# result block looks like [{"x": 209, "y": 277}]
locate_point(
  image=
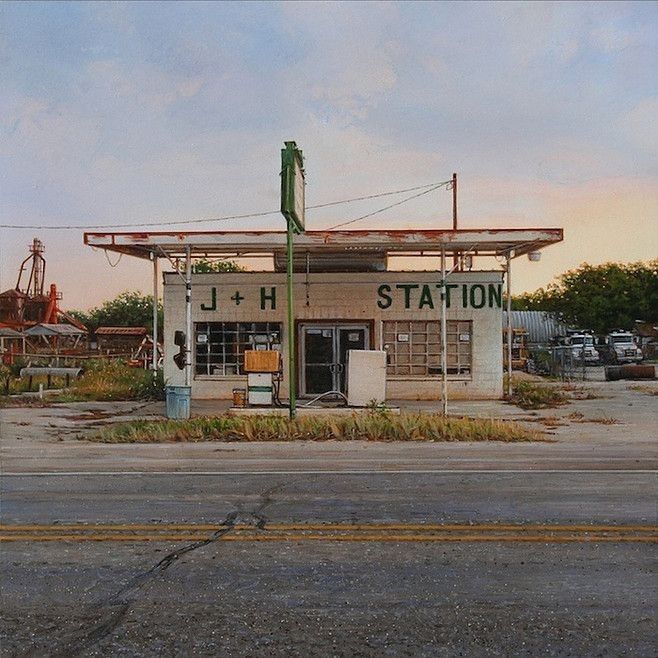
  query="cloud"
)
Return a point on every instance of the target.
[
  {"x": 611, "y": 38},
  {"x": 349, "y": 55},
  {"x": 641, "y": 125},
  {"x": 146, "y": 85}
]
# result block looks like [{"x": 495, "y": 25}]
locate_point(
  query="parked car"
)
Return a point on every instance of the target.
[
  {"x": 620, "y": 347},
  {"x": 582, "y": 347}
]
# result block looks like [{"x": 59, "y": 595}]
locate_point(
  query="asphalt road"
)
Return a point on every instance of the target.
[
  {"x": 383, "y": 587},
  {"x": 548, "y": 496}
]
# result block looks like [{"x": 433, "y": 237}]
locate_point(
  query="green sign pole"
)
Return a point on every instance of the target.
[
  {"x": 293, "y": 208},
  {"x": 292, "y": 369}
]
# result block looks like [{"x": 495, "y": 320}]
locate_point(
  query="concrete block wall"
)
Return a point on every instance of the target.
[{"x": 363, "y": 297}]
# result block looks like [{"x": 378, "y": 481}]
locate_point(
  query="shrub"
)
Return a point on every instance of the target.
[{"x": 529, "y": 395}]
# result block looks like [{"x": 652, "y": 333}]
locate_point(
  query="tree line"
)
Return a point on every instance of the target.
[
  {"x": 132, "y": 309},
  {"x": 599, "y": 297}
]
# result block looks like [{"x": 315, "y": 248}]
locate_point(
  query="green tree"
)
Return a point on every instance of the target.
[
  {"x": 129, "y": 309},
  {"x": 601, "y": 297},
  {"x": 204, "y": 266},
  {"x": 132, "y": 309}
]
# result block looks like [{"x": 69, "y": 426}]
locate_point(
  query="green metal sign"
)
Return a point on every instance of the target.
[{"x": 292, "y": 186}]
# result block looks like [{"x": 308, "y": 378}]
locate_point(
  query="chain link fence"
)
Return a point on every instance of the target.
[{"x": 559, "y": 362}]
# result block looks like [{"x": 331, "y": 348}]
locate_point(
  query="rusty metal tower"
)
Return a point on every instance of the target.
[{"x": 35, "y": 281}]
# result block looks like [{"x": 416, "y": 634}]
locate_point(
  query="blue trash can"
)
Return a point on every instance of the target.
[{"x": 178, "y": 402}]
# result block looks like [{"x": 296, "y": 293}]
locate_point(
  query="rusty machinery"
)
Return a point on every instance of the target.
[{"x": 26, "y": 305}]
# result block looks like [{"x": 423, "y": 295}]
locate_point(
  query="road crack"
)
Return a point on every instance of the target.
[{"x": 107, "y": 614}]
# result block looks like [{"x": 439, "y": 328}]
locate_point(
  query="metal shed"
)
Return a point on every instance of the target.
[{"x": 541, "y": 326}]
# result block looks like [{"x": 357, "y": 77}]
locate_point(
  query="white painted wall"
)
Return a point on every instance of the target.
[{"x": 344, "y": 297}]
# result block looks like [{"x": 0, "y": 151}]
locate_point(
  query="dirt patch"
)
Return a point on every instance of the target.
[
  {"x": 551, "y": 422},
  {"x": 647, "y": 390},
  {"x": 91, "y": 415}
]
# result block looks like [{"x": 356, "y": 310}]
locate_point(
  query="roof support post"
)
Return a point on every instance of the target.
[
  {"x": 444, "y": 336},
  {"x": 188, "y": 315},
  {"x": 154, "y": 362},
  {"x": 508, "y": 276}
]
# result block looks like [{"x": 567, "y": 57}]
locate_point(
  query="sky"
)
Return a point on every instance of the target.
[{"x": 128, "y": 113}]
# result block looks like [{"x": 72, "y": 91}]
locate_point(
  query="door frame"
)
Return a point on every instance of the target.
[{"x": 301, "y": 361}]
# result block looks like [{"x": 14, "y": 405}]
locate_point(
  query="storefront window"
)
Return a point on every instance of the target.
[
  {"x": 220, "y": 346},
  {"x": 414, "y": 348}
]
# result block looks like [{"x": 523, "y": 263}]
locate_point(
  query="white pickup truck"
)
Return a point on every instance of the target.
[
  {"x": 582, "y": 348},
  {"x": 619, "y": 347}
]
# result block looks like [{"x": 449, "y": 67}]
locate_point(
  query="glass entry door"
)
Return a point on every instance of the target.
[{"x": 323, "y": 349}]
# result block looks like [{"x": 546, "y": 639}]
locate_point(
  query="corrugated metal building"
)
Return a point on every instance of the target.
[{"x": 541, "y": 326}]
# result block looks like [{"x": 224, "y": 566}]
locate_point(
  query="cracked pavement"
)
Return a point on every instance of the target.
[{"x": 110, "y": 612}]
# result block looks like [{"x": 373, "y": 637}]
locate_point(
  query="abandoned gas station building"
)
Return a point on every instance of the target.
[{"x": 346, "y": 297}]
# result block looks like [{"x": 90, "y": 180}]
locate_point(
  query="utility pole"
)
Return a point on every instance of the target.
[{"x": 455, "y": 258}]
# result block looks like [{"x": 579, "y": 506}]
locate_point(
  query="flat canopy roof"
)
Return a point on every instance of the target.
[{"x": 208, "y": 244}]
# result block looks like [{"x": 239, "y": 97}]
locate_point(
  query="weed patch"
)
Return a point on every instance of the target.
[
  {"x": 584, "y": 394},
  {"x": 101, "y": 381},
  {"x": 114, "y": 380},
  {"x": 529, "y": 395},
  {"x": 375, "y": 426},
  {"x": 23, "y": 401}
]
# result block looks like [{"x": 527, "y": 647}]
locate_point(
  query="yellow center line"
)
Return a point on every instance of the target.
[{"x": 371, "y": 532}]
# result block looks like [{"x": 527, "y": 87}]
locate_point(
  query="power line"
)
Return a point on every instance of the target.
[
  {"x": 143, "y": 224},
  {"x": 375, "y": 196},
  {"x": 399, "y": 203},
  {"x": 225, "y": 218}
]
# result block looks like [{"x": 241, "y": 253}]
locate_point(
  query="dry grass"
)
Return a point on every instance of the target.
[
  {"x": 600, "y": 420},
  {"x": 529, "y": 395},
  {"x": 648, "y": 390},
  {"x": 101, "y": 381},
  {"x": 551, "y": 422},
  {"x": 113, "y": 380},
  {"x": 24, "y": 401},
  {"x": 375, "y": 426},
  {"x": 586, "y": 394}
]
